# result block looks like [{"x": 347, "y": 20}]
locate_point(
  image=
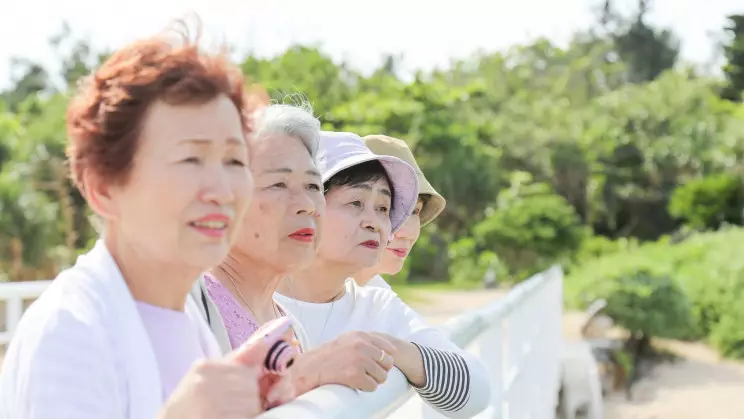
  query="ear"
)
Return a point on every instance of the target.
[{"x": 98, "y": 194}]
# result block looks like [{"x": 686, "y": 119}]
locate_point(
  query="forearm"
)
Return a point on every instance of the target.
[
  {"x": 440, "y": 377},
  {"x": 410, "y": 362}
]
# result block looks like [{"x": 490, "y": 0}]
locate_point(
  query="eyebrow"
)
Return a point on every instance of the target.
[
  {"x": 200, "y": 141},
  {"x": 288, "y": 170},
  {"x": 366, "y": 187}
]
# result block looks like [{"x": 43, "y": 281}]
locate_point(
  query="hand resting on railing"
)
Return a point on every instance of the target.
[
  {"x": 362, "y": 360},
  {"x": 353, "y": 359}
]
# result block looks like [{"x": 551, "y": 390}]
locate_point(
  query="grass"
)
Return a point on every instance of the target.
[{"x": 411, "y": 292}]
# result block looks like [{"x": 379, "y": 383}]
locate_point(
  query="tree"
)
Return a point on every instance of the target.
[{"x": 734, "y": 52}]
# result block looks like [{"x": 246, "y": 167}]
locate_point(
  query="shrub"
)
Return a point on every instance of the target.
[
  {"x": 710, "y": 201},
  {"x": 706, "y": 267},
  {"x": 530, "y": 227}
]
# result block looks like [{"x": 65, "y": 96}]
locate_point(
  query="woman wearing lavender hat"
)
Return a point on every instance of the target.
[{"x": 368, "y": 197}]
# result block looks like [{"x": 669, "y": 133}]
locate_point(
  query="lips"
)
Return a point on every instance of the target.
[
  {"x": 400, "y": 252},
  {"x": 303, "y": 235},
  {"x": 372, "y": 244},
  {"x": 212, "y": 225}
]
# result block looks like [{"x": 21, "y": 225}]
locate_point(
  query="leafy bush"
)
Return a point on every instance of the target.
[
  {"x": 710, "y": 201},
  {"x": 530, "y": 228},
  {"x": 650, "y": 304},
  {"x": 706, "y": 267},
  {"x": 468, "y": 264}
]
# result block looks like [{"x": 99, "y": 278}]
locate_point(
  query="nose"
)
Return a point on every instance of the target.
[
  {"x": 406, "y": 231},
  {"x": 370, "y": 222},
  {"x": 217, "y": 187},
  {"x": 305, "y": 205}
]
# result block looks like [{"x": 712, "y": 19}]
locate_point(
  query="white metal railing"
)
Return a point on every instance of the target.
[
  {"x": 14, "y": 295},
  {"x": 518, "y": 337}
]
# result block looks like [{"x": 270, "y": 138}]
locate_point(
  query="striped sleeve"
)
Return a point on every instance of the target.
[{"x": 447, "y": 379}]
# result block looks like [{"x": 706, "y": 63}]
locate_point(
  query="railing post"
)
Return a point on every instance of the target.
[{"x": 13, "y": 313}]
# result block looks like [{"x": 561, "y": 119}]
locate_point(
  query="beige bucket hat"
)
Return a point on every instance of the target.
[{"x": 388, "y": 146}]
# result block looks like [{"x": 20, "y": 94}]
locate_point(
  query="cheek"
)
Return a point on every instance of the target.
[
  {"x": 243, "y": 190},
  {"x": 260, "y": 222}
]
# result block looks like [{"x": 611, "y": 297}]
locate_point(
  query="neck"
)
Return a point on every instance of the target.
[
  {"x": 249, "y": 280},
  {"x": 158, "y": 283},
  {"x": 321, "y": 282},
  {"x": 363, "y": 276}
]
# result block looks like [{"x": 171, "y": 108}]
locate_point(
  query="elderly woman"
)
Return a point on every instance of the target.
[
  {"x": 280, "y": 231},
  {"x": 157, "y": 148},
  {"x": 430, "y": 204},
  {"x": 369, "y": 196}
]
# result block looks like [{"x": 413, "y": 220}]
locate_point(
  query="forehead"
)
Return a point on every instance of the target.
[
  {"x": 378, "y": 186},
  {"x": 278, "y": 149},
  {"x": 217, "y": 120}
]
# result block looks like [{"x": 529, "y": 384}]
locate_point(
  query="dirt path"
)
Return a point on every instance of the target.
[{"x": 698, "y": 385}]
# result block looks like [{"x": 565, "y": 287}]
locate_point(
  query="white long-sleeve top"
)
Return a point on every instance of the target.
[
  {"x": 81, "y": 350},
  {"x": 457, "y": 381}
]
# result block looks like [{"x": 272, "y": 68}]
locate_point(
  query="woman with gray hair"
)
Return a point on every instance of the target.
[{"x": 279, "y": 233}]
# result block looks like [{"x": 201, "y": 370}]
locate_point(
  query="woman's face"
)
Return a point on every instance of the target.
[
  {"x": 282, "y": 225},
  {"x": 396, "y": 252},
  {"x": 188, "y": 188},
  {"x": 358, "y": 224}
]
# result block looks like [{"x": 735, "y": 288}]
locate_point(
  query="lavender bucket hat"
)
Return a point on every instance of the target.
[{"x": 338, "y": 151}]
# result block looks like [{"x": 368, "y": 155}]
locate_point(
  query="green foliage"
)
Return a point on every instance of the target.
[
  {"x": 710, "y": 201},
  {"x": 734, "y": 51},
  {"x": 530, "y": 227},
  {"x": 706, "y": 267},
  {"x": 652, "y": 305}
]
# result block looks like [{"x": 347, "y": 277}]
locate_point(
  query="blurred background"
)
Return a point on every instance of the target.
[{"x": 606, "y": 136}]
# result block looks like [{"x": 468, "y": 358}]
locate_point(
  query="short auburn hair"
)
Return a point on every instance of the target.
[{"x": 105, "y": 116}]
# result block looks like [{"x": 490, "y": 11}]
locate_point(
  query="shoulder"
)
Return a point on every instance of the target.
[
  {"x": 60, "y": 343},
  {"x": 378, "y": 281}
]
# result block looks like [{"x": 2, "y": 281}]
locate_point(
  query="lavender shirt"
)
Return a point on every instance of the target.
[
  {"x": 239, "y": 322},
  {"x": 175, "y": 340}
]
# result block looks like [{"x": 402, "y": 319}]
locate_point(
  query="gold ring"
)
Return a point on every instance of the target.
[{"x": 382, "y": 357}]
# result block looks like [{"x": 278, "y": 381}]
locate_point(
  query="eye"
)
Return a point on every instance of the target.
[
  {"x": 191, "y": 160},
  {"x": 236, "y": 162},
  {"x": 384, "y": 209},
  {"x": 279, "y": 185},
  {"x": 314, "y": 187},
  {"x": 357, "y": 204}
]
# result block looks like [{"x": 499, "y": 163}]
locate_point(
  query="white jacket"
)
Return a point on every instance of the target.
[{"x": 82, "y": 352}]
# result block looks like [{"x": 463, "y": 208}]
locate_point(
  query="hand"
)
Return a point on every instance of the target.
[
  {"x": 275, "y": 388},
  {"x": 358, "y": 360},
  {"x": 227, "y": 388},
  {"x": 407, "y": 359}
]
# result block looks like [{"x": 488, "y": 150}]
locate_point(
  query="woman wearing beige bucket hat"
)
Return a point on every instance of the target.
[
  {"x": 429, "y": 205},
  {"x": 357, "y": 334}
]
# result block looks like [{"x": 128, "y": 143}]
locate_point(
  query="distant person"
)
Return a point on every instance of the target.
[
  {"x": 428, "y": 207},
  {"x": 360, "y": 333},
  {"x": 157, "y": 148}
]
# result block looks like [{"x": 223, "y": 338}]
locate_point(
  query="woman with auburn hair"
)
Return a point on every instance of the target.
[
  {"x": 428, "y": 207},
  {"x": 157, "y": 148}
]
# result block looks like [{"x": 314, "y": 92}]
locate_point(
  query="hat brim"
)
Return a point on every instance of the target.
[
  {"x": 432, "y": 208},
  {"x": 402, "y": 176}
]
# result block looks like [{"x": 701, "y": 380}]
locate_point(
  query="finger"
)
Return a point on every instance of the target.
[
  {"x": 380, "y": 356},
  {"x": 375, "y": 371},
  {"x": 249, "y": 354},
  {"x": 281, "y": 392},
  {"x": 387, "y": 362},
  {"x": 367, "y": 383},
  {"x": 382, "y": 342}
]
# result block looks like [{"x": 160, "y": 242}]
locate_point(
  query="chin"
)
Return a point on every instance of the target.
[{"x": 207, "y": 257}]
